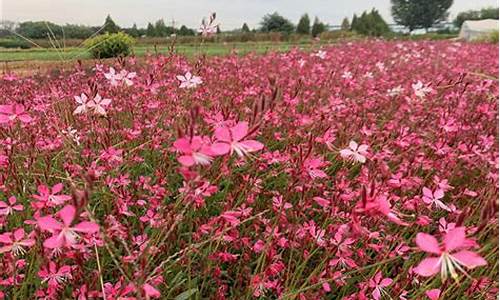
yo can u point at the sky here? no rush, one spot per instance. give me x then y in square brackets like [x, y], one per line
[230, 13]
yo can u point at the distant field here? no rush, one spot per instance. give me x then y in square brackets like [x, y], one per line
[42, 54]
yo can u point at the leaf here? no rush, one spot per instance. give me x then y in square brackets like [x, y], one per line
[185, 295]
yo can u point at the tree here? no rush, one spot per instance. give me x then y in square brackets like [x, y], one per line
[39, 30]
[245, 28]
[161, 29]
[276, 23]
[416, 14]
[345, 24]
[110, 25]
[77, 31]
[304, 25]
[485, 13]
[317, 28]
[354, 22]
[133, 31]
[370, 23]
[186, 31]
[150, 30]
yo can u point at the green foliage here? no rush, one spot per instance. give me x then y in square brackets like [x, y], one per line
[245, 28]
[494, 37]
[184, 31]
[416, 14]
[133, 31]
[276, 23]
[14, 43]
[345, 24]
[317, 28]
[484, 13]
[77, 31]
[371, 24]
[163, 30]
[304, 26]
[110, 25]
[150, 30]
[110, 45]
[39, 30]
[491, 37]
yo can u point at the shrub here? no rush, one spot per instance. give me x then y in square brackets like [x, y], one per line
[14, 43]
[110, 45]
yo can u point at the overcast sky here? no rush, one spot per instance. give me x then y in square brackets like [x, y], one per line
[230, 13]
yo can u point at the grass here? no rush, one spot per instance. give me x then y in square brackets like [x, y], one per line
[42, 54]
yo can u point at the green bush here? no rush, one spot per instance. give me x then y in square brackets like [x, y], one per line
[14, 43]
[110, 45]
[493, 37]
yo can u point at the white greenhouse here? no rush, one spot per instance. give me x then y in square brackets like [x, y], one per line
[472, 30]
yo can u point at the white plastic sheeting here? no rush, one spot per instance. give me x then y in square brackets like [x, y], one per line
[472, 30]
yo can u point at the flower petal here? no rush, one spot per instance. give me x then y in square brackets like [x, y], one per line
[87, 227]
[48, 223]
[428, 266]
[428, 243]
[239, 131]
[220, 148]
[186, 160]
[67, 214]
[454, 239]
[469, 259]
[55, 241]
[252, 145]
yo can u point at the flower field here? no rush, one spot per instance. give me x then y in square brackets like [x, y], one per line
[363, 170]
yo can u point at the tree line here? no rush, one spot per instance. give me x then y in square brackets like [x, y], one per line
[45, 29]
[412, 14]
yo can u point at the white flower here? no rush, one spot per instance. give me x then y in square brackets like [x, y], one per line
[72, 134]
[189, 80]
[355, 152]
[395, 91]
[347, 75]
[380, 65]
[84, 104]
[208, 28]
[321, 54]
[421, 90]
[116, 78]
[98, 105]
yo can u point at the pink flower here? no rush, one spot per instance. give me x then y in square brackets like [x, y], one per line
[10, 113]
[189, 81]
[451, 255]
[50, 197]
[62, 233]
[15, 242]
[8, 209]
[434, 198]
[312, 168]
[150, 291]
[378, 283]
[433, 294]
[55, 276]
[230, 140]
[196, 151]
[355, 152]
